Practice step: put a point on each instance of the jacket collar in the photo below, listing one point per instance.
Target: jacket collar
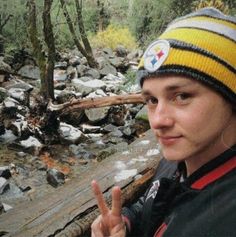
(211, 171)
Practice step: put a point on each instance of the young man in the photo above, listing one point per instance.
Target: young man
(188, 80)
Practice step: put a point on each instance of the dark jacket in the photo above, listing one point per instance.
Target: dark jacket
(201, 205)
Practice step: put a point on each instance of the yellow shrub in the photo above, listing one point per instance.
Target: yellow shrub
(114, 36)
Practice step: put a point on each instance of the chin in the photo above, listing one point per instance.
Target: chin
(173, 155)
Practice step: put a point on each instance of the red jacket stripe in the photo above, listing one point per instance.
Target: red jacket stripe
(215, 174)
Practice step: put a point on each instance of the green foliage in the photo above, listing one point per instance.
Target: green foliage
(114, 36)
(145, 19)
(150, 18)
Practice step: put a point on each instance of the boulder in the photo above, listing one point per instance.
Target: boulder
(30, 72)
(60, 75)
(3, 94)
(4, 185)
(70, 134)
(97, 114)
(55, 177)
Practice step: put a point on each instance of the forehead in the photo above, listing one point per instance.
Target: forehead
(169, 83)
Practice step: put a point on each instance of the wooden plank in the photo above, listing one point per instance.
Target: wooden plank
(70, 210)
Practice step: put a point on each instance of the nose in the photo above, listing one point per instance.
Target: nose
(161, 117)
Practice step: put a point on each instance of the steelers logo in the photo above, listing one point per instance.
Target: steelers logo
(156, 54)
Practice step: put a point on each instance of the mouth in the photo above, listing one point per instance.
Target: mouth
(168, 140)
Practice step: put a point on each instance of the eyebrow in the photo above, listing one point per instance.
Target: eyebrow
(172, 87)
(179, 85)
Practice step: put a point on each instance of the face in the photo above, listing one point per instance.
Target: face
(191, 121)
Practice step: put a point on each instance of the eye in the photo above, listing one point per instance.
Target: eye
(151, 100)
(182, 97)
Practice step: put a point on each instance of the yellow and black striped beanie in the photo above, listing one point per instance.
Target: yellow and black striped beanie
(201, 45)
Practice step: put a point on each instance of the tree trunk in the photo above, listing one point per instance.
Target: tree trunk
(50, 41)
(100, 15)
(89, 56)
(37, 46)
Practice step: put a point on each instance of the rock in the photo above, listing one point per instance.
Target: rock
(30, 71)
(2, 128)
(83, 61)
(116, 133)
(114, 79)
(121, 51)
(3, 94)
(1, 208)
(11, 107)
(107, 68)
(60, 86)
(20, 128)
(21, 154)
(122, 146)
(135, 55)
(81, 69)
(97, 114)
(6, 207)
(4, 185)
(108, 52)
(7, 137)
(96, 94)
(71, 73)
(118, 115)
(5, 172)
(134, 109)
(81, 153)
(70, 134)
(4, 67)
(55, 177)
(142, 114)
(128, 130)
(61, 65)
(65, 96)
(117, 62)
(86, 128)
(20, 95)
(89, 86)
(32, 145)
(60, 75)
(74, 61)
(74, 117)
(110, 128)
(92, 73)
(20, 85)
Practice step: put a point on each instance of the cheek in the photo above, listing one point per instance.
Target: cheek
(151, 117)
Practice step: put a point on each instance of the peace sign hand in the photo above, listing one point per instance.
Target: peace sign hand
(110, 222)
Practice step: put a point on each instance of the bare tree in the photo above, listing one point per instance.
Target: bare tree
(85, 49)
(45, 64)
(50, 42)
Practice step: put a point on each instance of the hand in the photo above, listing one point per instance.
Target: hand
(110, 222)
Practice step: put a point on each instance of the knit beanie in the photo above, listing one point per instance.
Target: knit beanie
(200, 45)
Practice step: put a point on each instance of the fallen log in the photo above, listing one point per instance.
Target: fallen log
(70, 210)
(95, 103)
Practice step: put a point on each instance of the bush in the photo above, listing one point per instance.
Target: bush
(114, 36)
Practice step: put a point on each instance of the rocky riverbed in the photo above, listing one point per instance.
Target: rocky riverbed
(35, 160)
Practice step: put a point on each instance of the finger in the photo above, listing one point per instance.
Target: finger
(100, 199)
(96, 228)
(118, 231)
(116, 201)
